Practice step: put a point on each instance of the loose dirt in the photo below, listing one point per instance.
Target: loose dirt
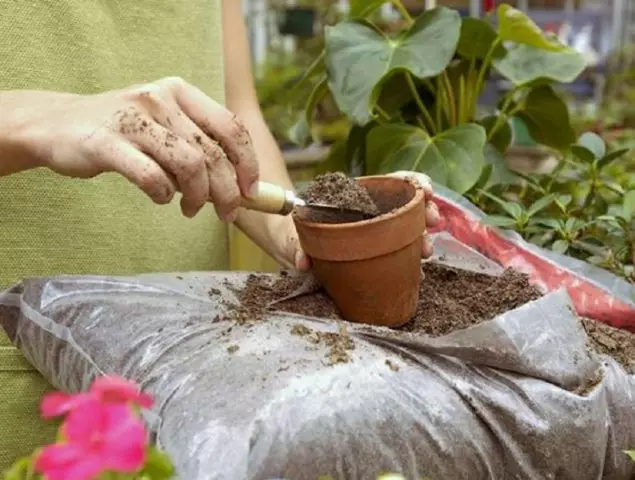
(338, 190)
(450, 300)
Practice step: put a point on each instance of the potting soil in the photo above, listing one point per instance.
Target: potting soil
(247, 392)
(338, 190)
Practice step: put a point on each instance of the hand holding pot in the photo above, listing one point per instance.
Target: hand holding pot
(164, 136)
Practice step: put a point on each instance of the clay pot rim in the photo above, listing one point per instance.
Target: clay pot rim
(379, 218)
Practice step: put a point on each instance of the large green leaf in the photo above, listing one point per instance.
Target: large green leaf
(515, 26)
(547, 118)
(453, 157)
(477, 38)
(364, 8)
(501, 174)
(524, 64)
(360, 58)
(504, 134)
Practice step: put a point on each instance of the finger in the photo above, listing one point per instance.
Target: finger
(302, 261)
(221, 125)
(138, 168)
(176, 156)
(433, 217)
(427, 248)
(223, 189)
(224, 192)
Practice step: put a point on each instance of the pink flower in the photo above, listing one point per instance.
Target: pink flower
(117, 389)
(110, 389)
(98, 437)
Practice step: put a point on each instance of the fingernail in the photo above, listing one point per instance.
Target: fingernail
(253, 190)
(301, 261)
(435, 215)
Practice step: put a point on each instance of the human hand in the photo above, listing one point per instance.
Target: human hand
(164, 136)
(293, 256)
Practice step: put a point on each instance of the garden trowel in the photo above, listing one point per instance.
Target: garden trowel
(275, 199)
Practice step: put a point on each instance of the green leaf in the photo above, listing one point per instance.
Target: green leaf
(335, 160)
(631, 454)
(364, 8)
(560, 246)
(299, 133)
(477, 38)
(394, 94)
(317, 95)
(503, 137)
(499, 221)
(515, 26)
(512, 209)
(158, 465)
(540, 204)
(549, 223)
(501, 173)
(629, 205)
(524, 64)
(583, 153)
(547, 118)
(610, 157)
(360, 58)
(593, 143)
(318, 67)
(356, 150)
(564, 200)
(483, 180)
(453, 158)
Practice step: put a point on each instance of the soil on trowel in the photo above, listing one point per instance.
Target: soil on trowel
(338, 190)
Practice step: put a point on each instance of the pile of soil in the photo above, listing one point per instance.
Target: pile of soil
(338, 190)
(449, 299)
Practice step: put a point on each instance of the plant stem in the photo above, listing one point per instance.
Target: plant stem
(486, 61)
(419, 102)
(509, 97)
(402, 11)
(382, 113)
(451, 100)
(470, 93)
(439, 99)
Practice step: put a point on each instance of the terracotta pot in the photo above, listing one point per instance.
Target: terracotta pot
(372, 269)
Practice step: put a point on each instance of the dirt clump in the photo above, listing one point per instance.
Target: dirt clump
(451, 299)
(615, 342)
(338, 190)
(339, 344)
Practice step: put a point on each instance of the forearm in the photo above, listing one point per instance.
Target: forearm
(263, 228)
(15, 153)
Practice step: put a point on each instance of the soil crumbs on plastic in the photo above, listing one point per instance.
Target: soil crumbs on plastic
(450, 299)
(611, 341)
(338, 190)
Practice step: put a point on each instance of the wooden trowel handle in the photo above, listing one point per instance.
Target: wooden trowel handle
(271, 199)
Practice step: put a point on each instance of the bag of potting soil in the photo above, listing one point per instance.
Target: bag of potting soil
(255, 377)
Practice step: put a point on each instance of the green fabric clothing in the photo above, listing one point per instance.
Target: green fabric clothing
(50, 224)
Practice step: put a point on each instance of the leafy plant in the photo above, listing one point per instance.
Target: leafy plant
(412, 96)
(579, 209)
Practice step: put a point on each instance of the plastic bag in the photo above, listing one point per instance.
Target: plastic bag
(517, 397)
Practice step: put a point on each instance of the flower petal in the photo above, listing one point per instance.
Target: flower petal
(55, 456)
(125, 440)
(85, 421)
(89, 467)
(118, 389)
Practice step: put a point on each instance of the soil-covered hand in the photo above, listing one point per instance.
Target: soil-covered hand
(294, 255)
(164, 136)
